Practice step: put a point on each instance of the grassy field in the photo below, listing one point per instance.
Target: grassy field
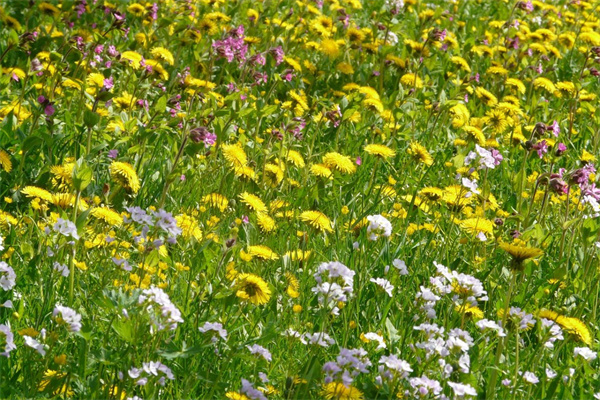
(337, 199)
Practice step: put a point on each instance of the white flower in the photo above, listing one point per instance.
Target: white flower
(216, 327)
(470, 184)
(261, 351)
(8, 339)
(167, 315)
(378, 226)
(530, 377)
(550, 373)
(69, 317)
(488, 324)
(400, 266)
(34, 344)
(8, 277)
(384, 284)
(319, 338)
(61, 268)
(377, 338)
(461, 390)
(586, 353)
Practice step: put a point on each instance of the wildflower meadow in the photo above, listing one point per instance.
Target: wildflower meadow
(299, 199)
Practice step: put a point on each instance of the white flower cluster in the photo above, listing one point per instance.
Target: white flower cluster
(347, 366)
(391, 367)
(149, 370)
(7, 337)
(167, 315)
(214, 327)
(8, 278)
(68, 316)
(379, 226)
(335, 283)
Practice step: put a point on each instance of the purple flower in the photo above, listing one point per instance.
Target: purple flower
(108, 83)
(113, 154)
(541, 148)
(277, 52)
(49, 109)
(555, 128)
(261, 351)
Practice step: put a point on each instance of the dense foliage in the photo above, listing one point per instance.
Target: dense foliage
(299, 199)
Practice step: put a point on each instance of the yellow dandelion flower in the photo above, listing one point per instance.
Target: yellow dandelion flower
(317, 220)
(339, 391)
(339, 162)
(420, 153)
(461, 62)
(544, 83)
(5, 161)
(475, 133)
(379, 150)
(477, 225)
(253, 201)
(431, 193)
(189, 227)
(373, 105)
(136, 9)
(573, 326)
(252, 288)
(235, 155)
(216, 200)
(411, 80)
(48, 9)
(587, 157)
(245, 172)
(460, 115)
(236, 396)
(469, 311)
(37, 193)
(111, 217)
(330, 48)
(496, 70)
(124, 174)
(265, 222)
(132, 58)
(59, 383)
(520, 253)
(263, 252)
(298, 255)
(293, 285)
(345, 68)
(590, 37)
(163, 54)
(486, 97)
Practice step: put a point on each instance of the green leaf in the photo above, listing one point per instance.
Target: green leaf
(105, 96)
(161, 104)
(90, 118)
(268, 110)
(82, 175)
(123, 329)
(81, 218)
(31, 142)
